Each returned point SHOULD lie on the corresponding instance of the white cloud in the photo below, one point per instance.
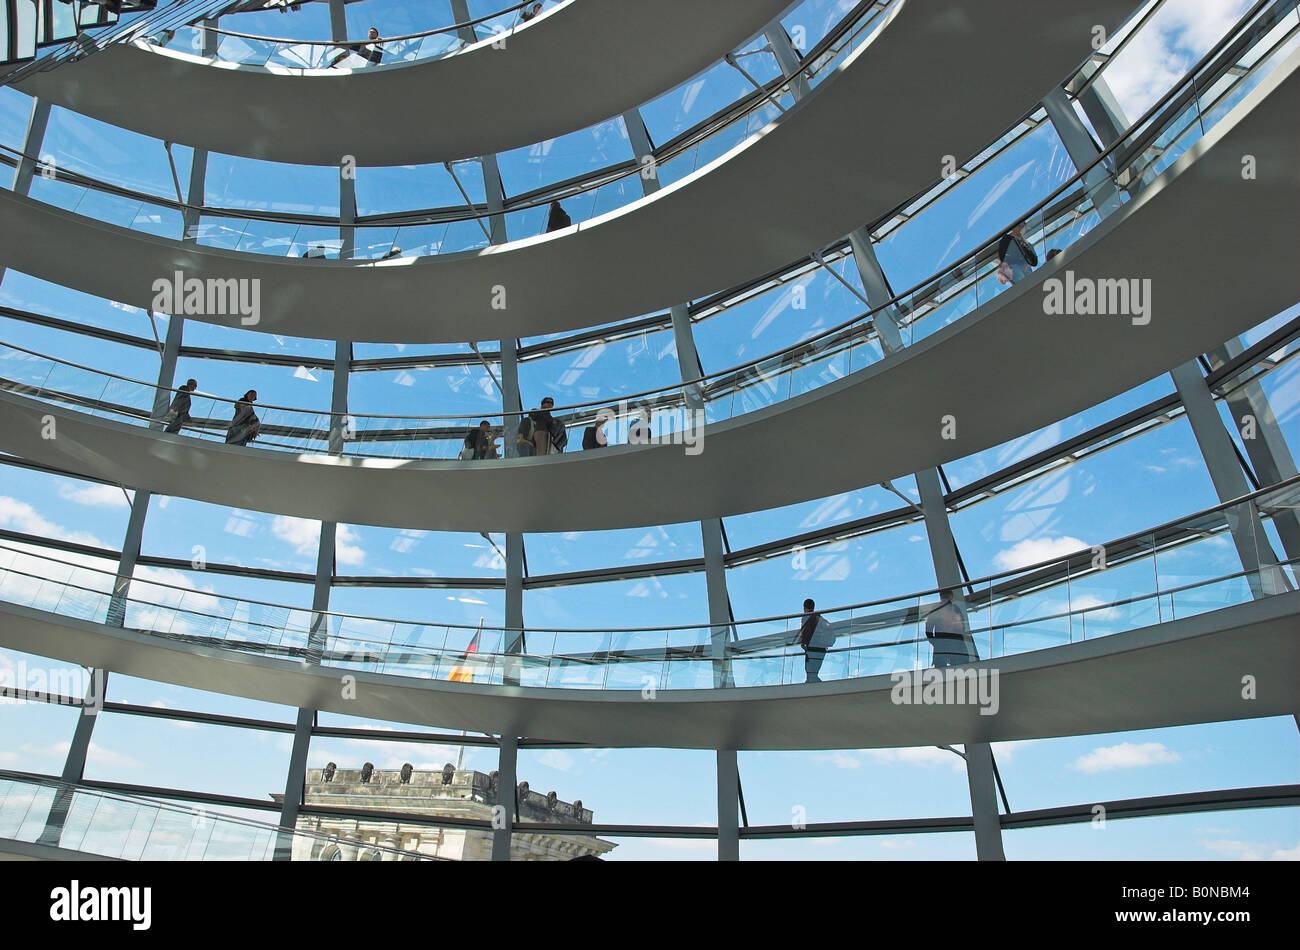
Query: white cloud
(841, 760)
(1036, 550)
(556, 759)
(96, 496)
(920, 755)
(1126, 755)
(1251, 851)
(19, 516)
(1159, 55)
(97, 754)
(304, 535)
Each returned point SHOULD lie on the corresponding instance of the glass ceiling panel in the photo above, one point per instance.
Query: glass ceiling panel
(692, 102)
(963, 471)
(545, 163)
(392, 552)
(762, 527)
(563, 553)
(809, 22)
(384, 189)
(23, 292)
(114, 155)
(234, 182)
(976, 210)
(1156, 477)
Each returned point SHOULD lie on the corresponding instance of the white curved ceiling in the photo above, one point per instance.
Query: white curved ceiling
(869, 136)
(1002, 371)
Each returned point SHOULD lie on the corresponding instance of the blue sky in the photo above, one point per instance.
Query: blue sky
(1151, 479)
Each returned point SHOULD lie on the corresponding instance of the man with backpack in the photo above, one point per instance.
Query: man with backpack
(816, 637)
(540, 432)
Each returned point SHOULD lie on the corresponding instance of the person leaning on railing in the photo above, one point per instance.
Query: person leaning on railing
(540, 433)
(372, 52)
(479, 443)
(1016, 256)
(178, 413)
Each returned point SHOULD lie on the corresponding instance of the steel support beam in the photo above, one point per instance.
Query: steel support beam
(511, 405)
(1253, 546)
(338, 20)
(1082, 151)
(1265, 443)
(1104, 111)
(984, 802)
(295, 778)
(33, 141)
(460, 14)
(728, 806)
(788, 59)
(504, 812)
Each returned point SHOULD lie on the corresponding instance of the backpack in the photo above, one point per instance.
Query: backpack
(589, 438)
(559, 435)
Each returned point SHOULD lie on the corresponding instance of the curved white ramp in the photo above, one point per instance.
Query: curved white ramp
(870, 135)
(1177, 673)
(572, 67)
(1002, 371)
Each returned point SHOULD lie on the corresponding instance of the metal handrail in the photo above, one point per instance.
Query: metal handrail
(1083, 555)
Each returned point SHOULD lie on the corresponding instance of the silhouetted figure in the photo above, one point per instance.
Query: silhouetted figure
(178, 413)
(1016, 257)
(558, 218)
(949, 633)
(530, 12)
(593, 437)
(815, 637)
(244, 427)
(534, 434)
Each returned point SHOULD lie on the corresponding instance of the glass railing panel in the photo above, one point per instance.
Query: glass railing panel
(1027, 622)
(172, 834)
(16, 800)
(764, 654)
(635, 660)
(110, 825)
(1112, 590)
(690, 663)
(31, 819)
(1195, 566)
(874, 640)
(74, 815)
(580, 660)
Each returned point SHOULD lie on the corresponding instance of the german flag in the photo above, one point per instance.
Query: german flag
(462, 672)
